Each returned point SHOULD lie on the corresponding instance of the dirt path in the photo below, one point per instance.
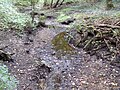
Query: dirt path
(25, 56)
(71, 72)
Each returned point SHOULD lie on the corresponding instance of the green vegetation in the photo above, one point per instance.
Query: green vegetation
(10, 17)
(22, 2)
(7, 82)
(87, 24)
(63, 17)
(60, 43)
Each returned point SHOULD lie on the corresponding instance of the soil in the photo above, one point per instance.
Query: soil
(25, 58)
(37, 66)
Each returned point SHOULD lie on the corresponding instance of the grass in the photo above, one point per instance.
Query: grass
(95, 10)
(10, 16)
(7, 82)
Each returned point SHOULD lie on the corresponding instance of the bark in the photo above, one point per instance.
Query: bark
(51, 3)
(61, 2)
(56, 4)
(45, 2)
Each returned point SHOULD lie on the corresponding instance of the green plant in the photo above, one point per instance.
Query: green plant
(10, 17)
(22, 2)
(7, 82)
(62, 17)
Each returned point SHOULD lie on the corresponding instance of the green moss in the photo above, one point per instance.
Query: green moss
(59, 43)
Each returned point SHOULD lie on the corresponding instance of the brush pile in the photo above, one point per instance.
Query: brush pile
(101, 38)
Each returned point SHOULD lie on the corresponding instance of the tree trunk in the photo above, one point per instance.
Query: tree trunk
(51, 3)
(45, 2)
(33, 9)
(56, 4)
(61, 2)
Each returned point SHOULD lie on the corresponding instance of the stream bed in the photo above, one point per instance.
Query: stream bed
(39, 66)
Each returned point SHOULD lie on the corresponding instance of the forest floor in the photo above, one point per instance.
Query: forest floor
(38, 66)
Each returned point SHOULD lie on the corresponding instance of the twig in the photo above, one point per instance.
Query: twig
(106, 25)
(107, 44)
(90, 41)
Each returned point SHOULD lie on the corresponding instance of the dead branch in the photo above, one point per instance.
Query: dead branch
(106, 25)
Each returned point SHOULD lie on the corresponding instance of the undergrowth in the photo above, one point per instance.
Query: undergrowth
(92, 9)
(62, 17)
(7, 82)
(10, 18)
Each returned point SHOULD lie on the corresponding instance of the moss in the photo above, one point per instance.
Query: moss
(59, 43)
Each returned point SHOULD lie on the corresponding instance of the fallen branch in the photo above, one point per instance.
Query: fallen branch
(106, 25)
(90, 41)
